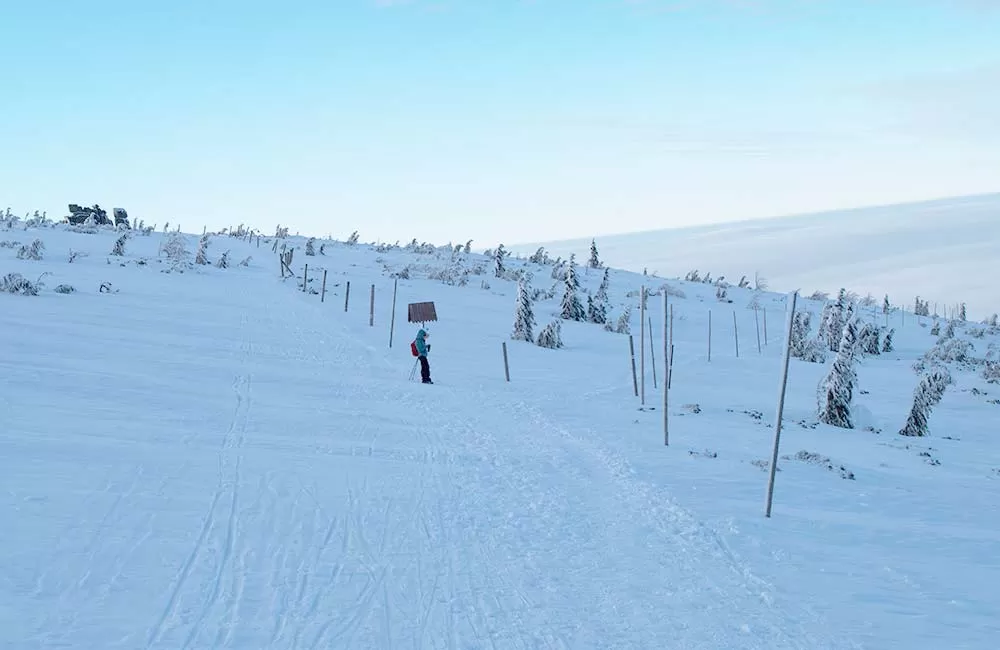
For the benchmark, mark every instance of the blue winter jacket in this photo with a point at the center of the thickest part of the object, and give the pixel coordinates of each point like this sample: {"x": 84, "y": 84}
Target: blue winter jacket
{"x": 422, "y": 343}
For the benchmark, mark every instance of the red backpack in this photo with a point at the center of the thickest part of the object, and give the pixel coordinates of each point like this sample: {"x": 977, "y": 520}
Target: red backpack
{"x": 413, "y": 348}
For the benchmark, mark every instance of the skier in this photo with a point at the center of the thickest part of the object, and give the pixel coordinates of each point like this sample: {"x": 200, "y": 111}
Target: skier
{"x": 423, "y": 347}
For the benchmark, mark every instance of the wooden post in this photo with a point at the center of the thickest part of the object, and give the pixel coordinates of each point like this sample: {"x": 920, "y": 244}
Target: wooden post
{"x": 765, "y": 327}
{"x": 781, "y": 405}
{"x": 322, "y": 293}
{"x": 347, "y": 296}
{"x": 666, "y": 373}
{"x": 736, "y": 335}
{"x": 305, "y": 279}
{"x": 756, "y": 324}
{"x": 392, "y": 321}
{"x": 631, "y": 351}
{"x": 710, "y": 336}
{"x": 652, "y": 349}
{"x": 506, "y": 365}
{"x": 642, "y": 346}
{"x": 371, "y": 309}
{"x": 670, "y": 372}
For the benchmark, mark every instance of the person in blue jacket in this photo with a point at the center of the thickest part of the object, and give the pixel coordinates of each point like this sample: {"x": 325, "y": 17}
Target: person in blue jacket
{"x": 423, "y": 347}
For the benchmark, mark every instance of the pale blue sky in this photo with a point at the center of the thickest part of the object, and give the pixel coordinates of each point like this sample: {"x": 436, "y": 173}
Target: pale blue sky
{"x": 500, "y": 120}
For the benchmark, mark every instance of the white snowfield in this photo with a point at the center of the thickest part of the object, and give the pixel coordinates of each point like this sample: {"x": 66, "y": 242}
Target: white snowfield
{"x": 215, "y": 459}
{"x": 945, "y": 251}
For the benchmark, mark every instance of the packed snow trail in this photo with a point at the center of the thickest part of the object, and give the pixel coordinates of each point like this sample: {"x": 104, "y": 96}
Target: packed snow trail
{"x": 269, "y": 480}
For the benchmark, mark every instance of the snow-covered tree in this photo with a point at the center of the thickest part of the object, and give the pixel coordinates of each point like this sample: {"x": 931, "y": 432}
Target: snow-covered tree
{"x": 886, "y": 306}
{"x": 598, "y": 313}
{"x": 174, "y": 246}
{"x": 524, "y": 317}
{"x": 836, "y": 391}
{"x": 926, "y": 396}
{"x": 572, "y": 308}
{"x": 800, "y": 345}
{"x": 831, "y": 325}
{"x": 595, "y": 261}
{"x": 310, "y": 246}
{"x": 551, "y": 335}
{"x": 936, "y": 328}
{"x": 201, "y": 257}
{"x": 498, "y": 261}
{"x": 624, "y": 323}
{"x": 868, "y": 339}
{"x": 223, "y": 261}
{"x": 887, "y": 341}
{"x": 962, "y": 315}
{"x": 949, "y": 331}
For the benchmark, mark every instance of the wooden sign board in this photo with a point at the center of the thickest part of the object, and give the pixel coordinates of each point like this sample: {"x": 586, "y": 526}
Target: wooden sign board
{"x": 421, "y": 312}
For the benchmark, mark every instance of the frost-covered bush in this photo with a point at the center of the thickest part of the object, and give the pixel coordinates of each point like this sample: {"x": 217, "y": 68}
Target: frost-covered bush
{"x": 311, "y": 246}
{"x": 174, "y": 247}
{"x": 65, "y": 288}
{"x": 36, "y": 251}
{"x": 75, "y": 255}
{"x": 991, "y": 372}
{"x": 119, "y": 247}
{"x": 928, "y": 394}
{"x": 572, "y": 308}
{"x": 246, "y": 262}
{"x": 945, "y": 351}
{"x": 15, "y": 283}
{"x": 10, "y": 243}
{"x": 551, "y": 335}
{"x": 223, "y": 261}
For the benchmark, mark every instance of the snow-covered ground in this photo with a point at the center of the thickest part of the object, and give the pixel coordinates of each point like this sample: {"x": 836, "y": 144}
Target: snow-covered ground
{"x": 213, "y": 458}
{"x": 943, "y": 251}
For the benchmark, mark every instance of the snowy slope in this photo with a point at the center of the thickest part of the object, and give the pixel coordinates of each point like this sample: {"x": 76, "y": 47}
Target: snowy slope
{"x": 214, "y": 458}
{"x": 944, "y": 251}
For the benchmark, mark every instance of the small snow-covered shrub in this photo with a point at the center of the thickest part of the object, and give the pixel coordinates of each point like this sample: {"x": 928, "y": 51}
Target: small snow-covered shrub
{"x": 801, "y": 346}
{"x": 246, "y": 262}
{"x": 174, "y": 247}
{"x": 311, "y": 247}
{"x": 945, "y": 351}
{"x": 17, "y": 284}
{"x": 75, "y": 255}
{"x": 36, "y": 251}
{"x": 991, "y": 372}
{"x": 119, "y": 248}
{"x": 201, "y": 257}
{"x": 10, "y": 243}
{"x": 223, "y": 261}
{"x": 551, "y": 336}
{"x": 65, "y": 288}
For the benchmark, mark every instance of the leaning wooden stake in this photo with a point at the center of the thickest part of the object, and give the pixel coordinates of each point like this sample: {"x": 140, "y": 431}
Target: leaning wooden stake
{"x": 666, "y": 373}
{"x": 736, "y": 335}
{"x": 371, "y": 309}
{"x": 710, "y": 336}
{"x": 642, "y": 346}
{"x": 756, "y": 323}
{"x": 347, "y": 295}
{"x": 631, "y": 351}
{"x": 506, "y": 365}
{"x": 322, "y": 292}
{"x": 392, "y": 321}
{"x": 652, "y": 349}
{"x": 305, "y": 279}
{"x": 781, "y": 405}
